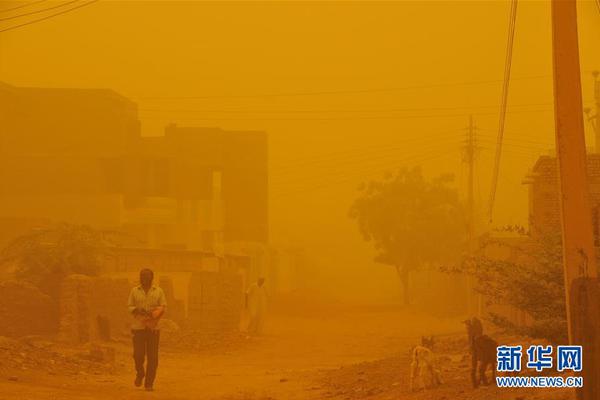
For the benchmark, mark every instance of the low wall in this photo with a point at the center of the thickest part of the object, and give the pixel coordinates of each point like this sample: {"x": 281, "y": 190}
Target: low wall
{"x": 93, "y": 308}
{"x": 175, "y": 307}
{"x": 215, "y": 302}
{"x": 25, "y": 310}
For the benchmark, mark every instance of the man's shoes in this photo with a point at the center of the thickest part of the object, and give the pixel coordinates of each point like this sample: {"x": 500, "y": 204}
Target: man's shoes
{"x": 138, "y": 381}
{"x": 149, "y": 389}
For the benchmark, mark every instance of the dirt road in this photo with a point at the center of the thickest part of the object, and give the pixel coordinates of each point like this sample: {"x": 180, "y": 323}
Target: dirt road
{"x": 282, "y": 364}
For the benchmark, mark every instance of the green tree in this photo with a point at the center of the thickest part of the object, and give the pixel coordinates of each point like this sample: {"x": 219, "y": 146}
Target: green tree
{"x": 530, "y": 279}
{"x": 412, "y": 222}
{"x": 44, "y": 257}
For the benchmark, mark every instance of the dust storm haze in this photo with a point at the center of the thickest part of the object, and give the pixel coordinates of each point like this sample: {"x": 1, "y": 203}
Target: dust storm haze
{"x": 220, "y": 142}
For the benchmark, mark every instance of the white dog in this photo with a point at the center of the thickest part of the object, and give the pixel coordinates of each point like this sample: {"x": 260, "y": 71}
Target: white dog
{"x": 423, "y": 362}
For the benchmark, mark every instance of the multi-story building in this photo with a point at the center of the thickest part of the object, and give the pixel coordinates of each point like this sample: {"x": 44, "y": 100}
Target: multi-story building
{"x": 77, "y": 156}
{"x": 57, "y": 152}
{"x": 238, "y": 161}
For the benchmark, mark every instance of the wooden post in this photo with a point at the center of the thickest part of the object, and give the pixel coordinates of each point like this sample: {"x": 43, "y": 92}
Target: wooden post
{"x": 578, "y": 240}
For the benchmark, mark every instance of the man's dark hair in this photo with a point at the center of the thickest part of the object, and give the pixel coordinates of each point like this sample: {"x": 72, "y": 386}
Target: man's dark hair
{"x": 145, "y": 271}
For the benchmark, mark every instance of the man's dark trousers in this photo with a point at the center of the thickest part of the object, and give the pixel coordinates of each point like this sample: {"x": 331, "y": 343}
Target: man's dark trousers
{"x": 145, "y": 346}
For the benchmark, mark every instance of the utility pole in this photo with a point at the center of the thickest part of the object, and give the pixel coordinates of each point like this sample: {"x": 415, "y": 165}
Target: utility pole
{"x": 470, "y": 148}
{"x": 470, "y": 161}
{"x": 596, "y": 118}
{"x": 579, "y": 257}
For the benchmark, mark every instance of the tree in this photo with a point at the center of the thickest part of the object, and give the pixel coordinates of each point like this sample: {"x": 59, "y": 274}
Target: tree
{"x": 44, "y": 257}
{"x": 529, "y": 279}
{"x": 412, "y": 222}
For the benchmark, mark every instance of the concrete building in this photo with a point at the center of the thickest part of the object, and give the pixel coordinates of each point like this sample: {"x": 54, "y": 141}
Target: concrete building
{"x": 57, "y": 150}
{"x": 182, "y": 199}
{"x": 234, "y": 165}
{"x": 77, "y": 156}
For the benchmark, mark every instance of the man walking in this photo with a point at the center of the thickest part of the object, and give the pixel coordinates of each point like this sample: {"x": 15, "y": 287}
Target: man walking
{"x": 147, "y": 305}
{"x": 256, "y": 304}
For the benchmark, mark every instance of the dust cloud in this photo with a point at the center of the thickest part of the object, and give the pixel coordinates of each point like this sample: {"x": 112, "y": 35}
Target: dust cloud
{"x": 320, "y": 146}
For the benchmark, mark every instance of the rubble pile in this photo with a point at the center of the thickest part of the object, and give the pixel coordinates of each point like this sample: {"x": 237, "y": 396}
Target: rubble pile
{"x": 389, "y": 378}
{"x": 199, "y": 341}
{"x": 39, "y": 355}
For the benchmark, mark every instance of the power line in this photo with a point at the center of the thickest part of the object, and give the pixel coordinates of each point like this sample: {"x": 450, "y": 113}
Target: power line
{"x": 22, "y": 6}
{"x": 315, "y": 183}
{"x": 324, "y": 177}
{"x": 43, "y": 10}
{"x": 370, "y": 151}
{"x": 359, "y": 175}
{"x": 358, "y": 179}
{"x": 502, "y": 118}
{"x": 283, "y": 175}
{"x": 529, "y": 147}
{"x": 341, "y": 111}
{"x": 361, "y": 150}
{"x": 319, "y": 167}
{"x": 385, "y": 117}
{"x": 518, "y": 133}
{"x": 519, "y": 137}
{"x": 10, "y": 28}
{"x": 335, "y": 92}
{"x": 528, "y": 154}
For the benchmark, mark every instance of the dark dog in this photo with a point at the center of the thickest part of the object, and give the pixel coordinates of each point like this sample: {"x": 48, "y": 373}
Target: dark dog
{"x": 483, "y": 352}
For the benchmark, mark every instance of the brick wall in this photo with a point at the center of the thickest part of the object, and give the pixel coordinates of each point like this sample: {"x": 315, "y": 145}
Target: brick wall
{"x": 215, "y": 302}
{"x": 175, "y": 307}
{"x": 211, "y": 303}
{"x": 93, "y": 308}
{"x": 159, "y": 260}
{"x": 544, "y": 205}
{"x": 74, "y": 309}
{"x": 25, "y": 310}
{"x": 109, "y": 305}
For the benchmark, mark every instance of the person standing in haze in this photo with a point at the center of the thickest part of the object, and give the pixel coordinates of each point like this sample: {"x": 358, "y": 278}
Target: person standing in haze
{"x": 256, "y": 304}
{"x": 147, "y": 305}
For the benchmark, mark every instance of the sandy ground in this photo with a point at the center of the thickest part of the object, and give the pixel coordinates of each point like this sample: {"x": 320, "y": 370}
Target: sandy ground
{"x": 341, "y": 354}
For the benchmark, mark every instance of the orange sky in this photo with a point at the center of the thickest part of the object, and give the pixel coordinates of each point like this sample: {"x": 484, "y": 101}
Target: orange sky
{"x": 426, "y": 61}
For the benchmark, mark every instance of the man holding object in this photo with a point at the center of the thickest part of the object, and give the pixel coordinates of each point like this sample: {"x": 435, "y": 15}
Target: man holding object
{"x": 147, "y": 305}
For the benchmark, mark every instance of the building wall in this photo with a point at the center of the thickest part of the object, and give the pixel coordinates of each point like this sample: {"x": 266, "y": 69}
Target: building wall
{"x": 58, "y": 148}
{"x": 159, "y": 260}
{"x": 242, "y": 158}
{"x": 245, "y": 186}
{"x": 25, "y": 310}
{"x": 204, "y": 292}
{"x": 93, "y": 308}
{"x": 544, "y": 208}
{"x": 77, "y": 155}
{"x": 544, "y": 201}
{"x": 215, "y": 302}
{"x": 41, "y": 121}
